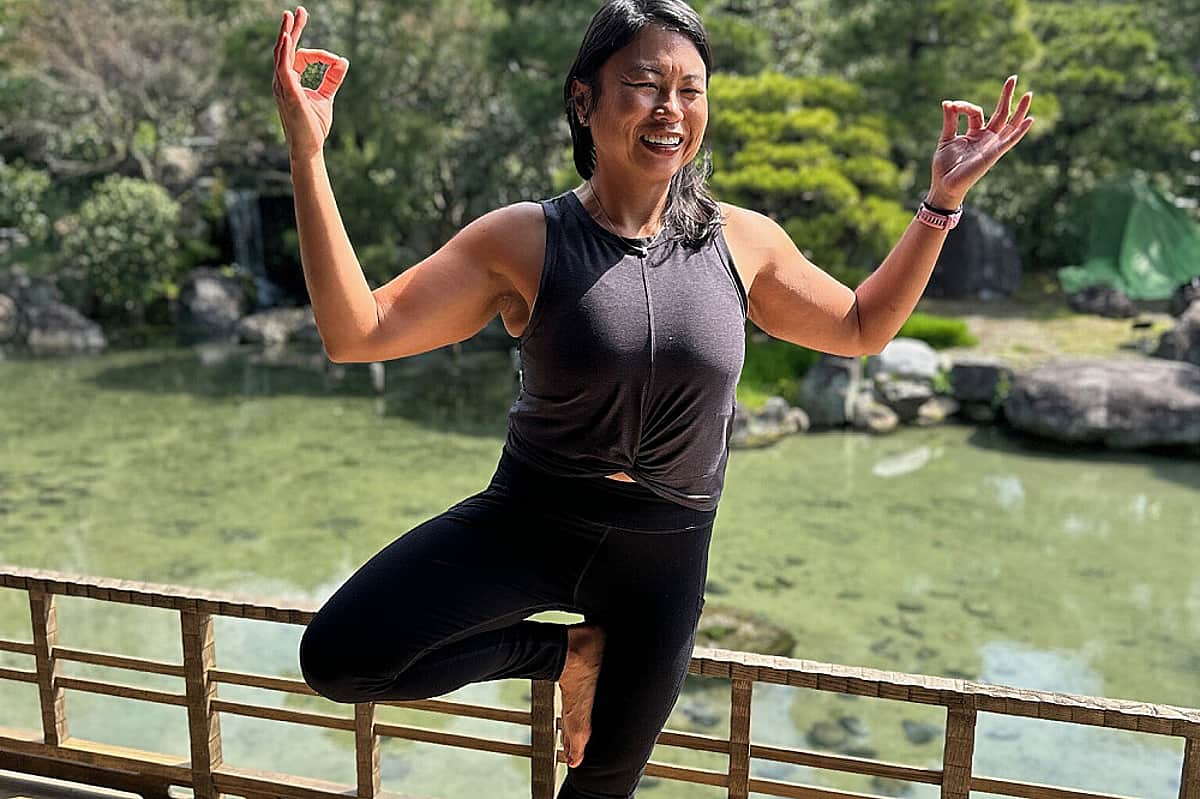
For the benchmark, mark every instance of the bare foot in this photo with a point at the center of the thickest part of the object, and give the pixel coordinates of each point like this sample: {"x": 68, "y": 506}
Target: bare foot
{"x": 585, "y": 648}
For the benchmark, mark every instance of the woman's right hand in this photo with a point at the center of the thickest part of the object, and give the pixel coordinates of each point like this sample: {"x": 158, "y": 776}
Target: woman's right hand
{"x": 306, "y": 114}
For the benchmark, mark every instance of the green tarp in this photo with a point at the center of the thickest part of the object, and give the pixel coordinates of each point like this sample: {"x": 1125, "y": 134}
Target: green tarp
{"x": 1138, "y": 242}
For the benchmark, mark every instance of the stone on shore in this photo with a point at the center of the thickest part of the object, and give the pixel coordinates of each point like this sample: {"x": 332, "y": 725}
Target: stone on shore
{"x": 1123, "y": 403}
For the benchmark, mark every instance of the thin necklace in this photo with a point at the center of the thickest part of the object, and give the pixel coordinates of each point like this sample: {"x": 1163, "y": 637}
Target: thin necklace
{"x": 609, "y": 218}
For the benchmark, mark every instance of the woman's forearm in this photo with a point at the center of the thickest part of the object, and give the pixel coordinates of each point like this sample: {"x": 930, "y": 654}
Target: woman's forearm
{"x": 342, "y": 302}
{"x": 888, "y": 296}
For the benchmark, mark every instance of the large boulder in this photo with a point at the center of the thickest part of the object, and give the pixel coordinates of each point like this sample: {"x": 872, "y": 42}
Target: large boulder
{"x": 869, "y": 414}
{"x": 1102, "y": 300}
{"x": 1120, "y": 403}
{"x": 903, "y": 396}
{"x": 28, "y": 290}
{"x": 979, "y": 260}
{"x": 34, "y": 317}
{"x": 1184, "y": 295}
{"x": 279, "y": 326}
{"x": 828, "y": 388}
{"x": 904, "y": 357}
{"x": 772, "y": 422}
{"x": 57, "y": 329}
{"x": 1182, "y": 343}
{"x": 209, "y": 306}
{"x": 936, "y": 410}
{"x": 979, "y": 378}
{"x": 10, "y": 320}
{"x": 729, "y": 627}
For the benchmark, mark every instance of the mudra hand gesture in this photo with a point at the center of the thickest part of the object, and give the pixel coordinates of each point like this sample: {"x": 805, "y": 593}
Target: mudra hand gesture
{"x": 306, "y": 114}
{"x": 962, "y": 159}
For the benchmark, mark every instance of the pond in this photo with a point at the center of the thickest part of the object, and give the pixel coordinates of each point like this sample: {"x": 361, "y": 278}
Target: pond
{"x": 955, "y": 550}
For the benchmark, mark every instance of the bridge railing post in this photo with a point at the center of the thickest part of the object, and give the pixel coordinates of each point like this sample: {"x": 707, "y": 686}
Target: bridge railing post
{"x": 740, "y": 697}
{"x": 958, "y": 753}
{"x": 51, "y": 696}
{"x": 204, "y": 728}
{"x": 545, "y": 707}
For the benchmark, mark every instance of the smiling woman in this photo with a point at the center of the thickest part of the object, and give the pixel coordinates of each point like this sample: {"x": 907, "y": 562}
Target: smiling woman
{"x": 628, "y": 296}
{"x": 637, "y": 106}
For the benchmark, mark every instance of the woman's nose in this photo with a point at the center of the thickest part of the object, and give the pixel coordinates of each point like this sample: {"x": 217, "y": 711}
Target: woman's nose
{"x": 668, "y": 106}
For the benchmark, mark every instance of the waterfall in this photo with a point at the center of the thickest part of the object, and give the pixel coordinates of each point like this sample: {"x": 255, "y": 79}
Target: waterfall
{"x": 245, "y": 227}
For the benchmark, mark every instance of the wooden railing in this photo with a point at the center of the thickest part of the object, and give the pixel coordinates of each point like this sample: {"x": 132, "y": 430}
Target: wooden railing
{"x": 53, "y": 752}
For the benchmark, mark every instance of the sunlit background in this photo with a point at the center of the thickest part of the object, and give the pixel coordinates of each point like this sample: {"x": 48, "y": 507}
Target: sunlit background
{"x": 167, "y": 413}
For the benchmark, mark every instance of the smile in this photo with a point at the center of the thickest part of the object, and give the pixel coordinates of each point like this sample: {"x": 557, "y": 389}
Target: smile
{"x": 662, "y": 145}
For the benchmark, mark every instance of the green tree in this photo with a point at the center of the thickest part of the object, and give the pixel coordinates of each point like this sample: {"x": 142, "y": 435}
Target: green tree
{"x": 1127, "y": 105}
{"x": 104, "y": 85}
{"x": 910, "y": 56}
{"x": 812, "y": 154}
{"x": 748, "y": 36}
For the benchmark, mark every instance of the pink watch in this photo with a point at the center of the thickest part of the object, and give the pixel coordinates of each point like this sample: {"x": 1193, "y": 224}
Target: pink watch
{"x": 938, "y": 217}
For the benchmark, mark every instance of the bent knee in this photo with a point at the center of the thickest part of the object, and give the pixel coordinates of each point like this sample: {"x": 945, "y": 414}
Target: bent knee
{"x": 324, "y": 667}
{"x": 344, "y": 667}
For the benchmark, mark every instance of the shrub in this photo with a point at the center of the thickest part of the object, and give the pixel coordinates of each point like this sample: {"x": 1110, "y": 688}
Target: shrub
{"x": 773, "y": 367}
{"x": 938, "y": 331}
{"x": 22, "y": 190}
{"x": 122, "y": 239}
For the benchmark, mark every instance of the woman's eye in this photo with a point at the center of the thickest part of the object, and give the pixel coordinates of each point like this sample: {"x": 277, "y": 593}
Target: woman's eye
{"x": 654, "y": 86}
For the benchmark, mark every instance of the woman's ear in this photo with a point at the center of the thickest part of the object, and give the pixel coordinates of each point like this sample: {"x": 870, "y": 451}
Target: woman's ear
{"x": 580, "y": 95}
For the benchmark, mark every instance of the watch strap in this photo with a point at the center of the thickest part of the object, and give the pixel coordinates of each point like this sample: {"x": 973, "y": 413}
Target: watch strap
{"x": 939, "y": 218}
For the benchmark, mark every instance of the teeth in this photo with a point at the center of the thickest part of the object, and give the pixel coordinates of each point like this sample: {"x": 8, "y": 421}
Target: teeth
{"x": 668, "y": 140}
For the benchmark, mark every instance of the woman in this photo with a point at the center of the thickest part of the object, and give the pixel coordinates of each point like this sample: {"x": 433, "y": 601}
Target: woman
{"x": 627, "y": 296}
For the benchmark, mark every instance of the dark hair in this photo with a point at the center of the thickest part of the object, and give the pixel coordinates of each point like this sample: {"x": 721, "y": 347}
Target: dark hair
{"x": 691, "y": 212}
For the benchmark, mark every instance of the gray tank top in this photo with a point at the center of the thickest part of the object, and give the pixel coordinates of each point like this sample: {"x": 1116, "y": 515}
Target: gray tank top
{"x": 630, "y": 358}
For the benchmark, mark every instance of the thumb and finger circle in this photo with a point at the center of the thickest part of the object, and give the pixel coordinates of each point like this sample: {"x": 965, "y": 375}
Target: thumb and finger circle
{"x": 287, "y": 53}
{"x": 335, "y": 72}
{"x": 950, "y": 112}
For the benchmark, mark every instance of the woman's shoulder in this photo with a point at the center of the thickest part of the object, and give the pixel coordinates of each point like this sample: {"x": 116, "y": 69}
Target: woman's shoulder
{"x": 742, "y": 221}
{"x": 514, "y": 232}
{"x": 513, "y": 239}
{"x": 750, "y": 236}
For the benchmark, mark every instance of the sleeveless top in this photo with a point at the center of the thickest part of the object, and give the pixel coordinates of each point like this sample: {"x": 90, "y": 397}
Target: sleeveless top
{"x": 630, "y": 358}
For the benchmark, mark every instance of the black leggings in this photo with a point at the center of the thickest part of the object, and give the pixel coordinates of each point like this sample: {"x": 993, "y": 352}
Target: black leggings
{"x": 445, "y": 604}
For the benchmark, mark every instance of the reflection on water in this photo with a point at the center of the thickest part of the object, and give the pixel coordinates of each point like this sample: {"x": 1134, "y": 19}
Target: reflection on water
{"x": 952, "y": 550}
{"x": 902, "y": 463}
{"x": 1068, "y": 755}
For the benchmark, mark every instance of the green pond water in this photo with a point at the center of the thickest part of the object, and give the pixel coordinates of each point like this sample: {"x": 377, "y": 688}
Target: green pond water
{"x": 956, "y": 550}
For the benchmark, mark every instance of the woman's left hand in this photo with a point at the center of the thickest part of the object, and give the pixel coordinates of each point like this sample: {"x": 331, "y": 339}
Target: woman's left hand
{"x": 962, "y": 159}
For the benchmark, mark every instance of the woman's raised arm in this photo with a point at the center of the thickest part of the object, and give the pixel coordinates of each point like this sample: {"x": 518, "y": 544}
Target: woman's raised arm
{"x": 341, "y": 299}
{"x": 445, "y": 298}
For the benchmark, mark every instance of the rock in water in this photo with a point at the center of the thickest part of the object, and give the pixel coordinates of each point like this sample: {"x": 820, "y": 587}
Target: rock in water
{"x": 1182, "y": 343}
{"x": 909, "y": 358}
{"x": 1120, "y": 403}
{"x": 828, "y": 388}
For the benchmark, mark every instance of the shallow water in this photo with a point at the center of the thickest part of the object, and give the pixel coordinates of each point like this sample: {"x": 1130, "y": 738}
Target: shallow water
{"x": 955, "y": 550}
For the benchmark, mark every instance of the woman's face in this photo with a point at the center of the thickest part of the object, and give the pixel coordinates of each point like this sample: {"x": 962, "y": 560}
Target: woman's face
{"x": 653, "y": 87}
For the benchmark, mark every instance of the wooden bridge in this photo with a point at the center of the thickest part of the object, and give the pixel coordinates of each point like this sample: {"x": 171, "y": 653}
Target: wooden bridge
{"x": 53, "y": 752}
